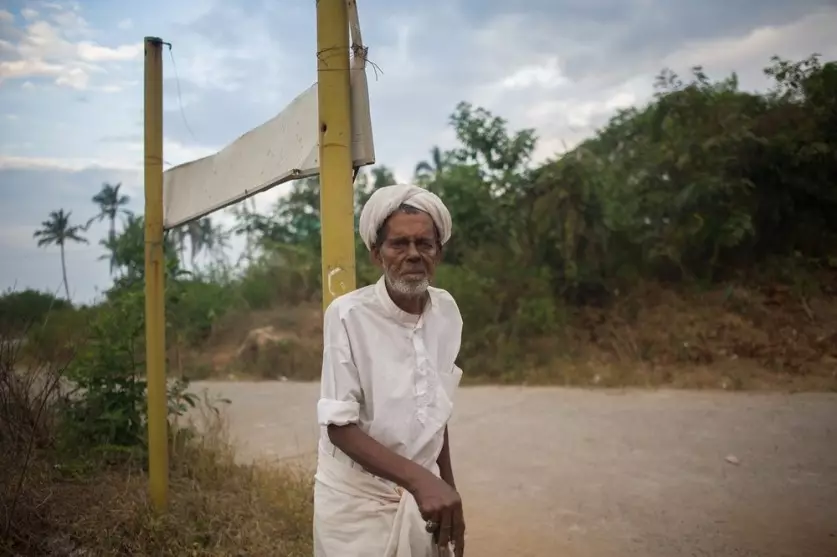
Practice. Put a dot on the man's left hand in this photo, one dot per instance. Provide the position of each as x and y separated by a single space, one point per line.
451 530
459 538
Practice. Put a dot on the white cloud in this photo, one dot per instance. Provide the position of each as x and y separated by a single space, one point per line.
75 78
91 52
125 24
176 153
28 13
113 88
548 75
531 90
55 46
128 157
6 16
798 39
11 162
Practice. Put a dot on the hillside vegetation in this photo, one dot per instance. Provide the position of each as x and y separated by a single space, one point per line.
692 242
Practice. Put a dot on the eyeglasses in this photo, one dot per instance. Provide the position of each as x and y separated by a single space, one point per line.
422 245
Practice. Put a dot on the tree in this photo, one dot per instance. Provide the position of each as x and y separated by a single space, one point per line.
382 176
127 253
430 171
19 310
296 218
202 235
57 230
218 241
247 219
110 203
367 182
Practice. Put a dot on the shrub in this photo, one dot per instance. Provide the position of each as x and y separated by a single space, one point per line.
20 310
63 492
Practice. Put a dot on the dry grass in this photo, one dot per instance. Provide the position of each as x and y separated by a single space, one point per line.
743 338
217 507
758 338
737 338
227 353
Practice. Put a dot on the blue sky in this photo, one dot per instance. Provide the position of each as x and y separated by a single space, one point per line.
71 84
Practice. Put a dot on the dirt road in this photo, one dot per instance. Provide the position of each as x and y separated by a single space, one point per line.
576 473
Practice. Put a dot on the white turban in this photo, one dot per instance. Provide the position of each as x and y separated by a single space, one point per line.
385 201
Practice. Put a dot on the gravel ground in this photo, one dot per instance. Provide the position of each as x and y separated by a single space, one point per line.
566 472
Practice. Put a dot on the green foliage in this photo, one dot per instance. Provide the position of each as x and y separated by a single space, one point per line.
20 310
109 406
194 305
110 203
702 184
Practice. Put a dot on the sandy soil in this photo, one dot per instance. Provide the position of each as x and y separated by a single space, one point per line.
562 472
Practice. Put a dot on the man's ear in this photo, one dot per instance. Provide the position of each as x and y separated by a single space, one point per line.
375 257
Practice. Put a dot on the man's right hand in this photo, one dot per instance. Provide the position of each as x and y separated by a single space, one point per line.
439 502
436 499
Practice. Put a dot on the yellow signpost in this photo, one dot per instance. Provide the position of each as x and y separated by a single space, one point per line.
155 269
336 209
336 188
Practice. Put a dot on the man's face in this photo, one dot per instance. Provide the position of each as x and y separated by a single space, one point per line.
409 253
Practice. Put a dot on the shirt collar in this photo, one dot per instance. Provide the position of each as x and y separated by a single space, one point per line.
395 312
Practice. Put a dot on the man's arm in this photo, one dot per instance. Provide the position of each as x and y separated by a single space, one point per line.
377 459
445 467
437 500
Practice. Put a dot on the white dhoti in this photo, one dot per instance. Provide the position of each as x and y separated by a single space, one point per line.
357 514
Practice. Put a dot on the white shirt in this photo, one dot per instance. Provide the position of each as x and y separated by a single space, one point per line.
390 372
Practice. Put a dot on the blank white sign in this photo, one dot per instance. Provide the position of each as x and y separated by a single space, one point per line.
282 149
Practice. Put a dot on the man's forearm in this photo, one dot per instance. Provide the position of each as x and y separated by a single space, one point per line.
375 458
444 462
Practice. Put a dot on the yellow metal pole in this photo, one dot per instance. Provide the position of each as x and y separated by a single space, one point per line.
155 310
336 188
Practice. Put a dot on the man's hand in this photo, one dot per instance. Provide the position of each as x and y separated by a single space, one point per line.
437 499
440 503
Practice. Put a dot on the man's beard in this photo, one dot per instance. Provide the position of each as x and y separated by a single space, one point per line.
406 287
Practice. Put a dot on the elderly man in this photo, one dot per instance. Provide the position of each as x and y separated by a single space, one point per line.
384 483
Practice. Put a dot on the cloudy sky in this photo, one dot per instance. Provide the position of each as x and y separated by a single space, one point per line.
71 84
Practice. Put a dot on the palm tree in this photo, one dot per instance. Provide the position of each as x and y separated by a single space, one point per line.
178 238
219 242
382 176
247 220
430 171
366 184
127 253
57 231
201 237
110 204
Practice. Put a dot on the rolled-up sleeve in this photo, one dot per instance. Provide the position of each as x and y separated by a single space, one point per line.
340 390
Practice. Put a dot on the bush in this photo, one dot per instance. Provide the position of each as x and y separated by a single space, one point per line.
72 477
216 507
194 306
108 373
20 310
